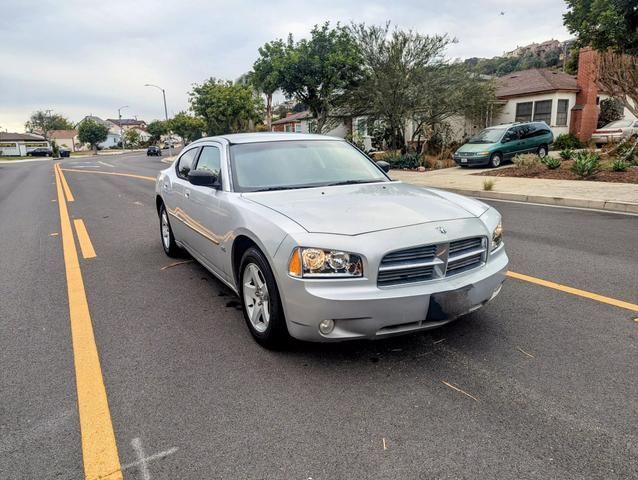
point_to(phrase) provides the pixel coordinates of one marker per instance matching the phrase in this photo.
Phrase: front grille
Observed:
(428, 262)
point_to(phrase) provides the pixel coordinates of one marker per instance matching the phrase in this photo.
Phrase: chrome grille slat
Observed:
(428, 262)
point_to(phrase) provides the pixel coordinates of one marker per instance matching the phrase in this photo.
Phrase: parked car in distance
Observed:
(40, 152)
(64, 152)
(494, 145)
(320, 244)
(154, 150)
(615, 132)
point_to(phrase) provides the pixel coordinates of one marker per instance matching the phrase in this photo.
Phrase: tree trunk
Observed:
(269, 111)
(321, 121)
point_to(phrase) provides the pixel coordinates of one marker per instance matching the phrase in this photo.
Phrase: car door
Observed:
(203, 210)
(177, 194)
(512, 143)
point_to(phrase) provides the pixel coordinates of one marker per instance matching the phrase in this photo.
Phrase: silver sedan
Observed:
(320, 244)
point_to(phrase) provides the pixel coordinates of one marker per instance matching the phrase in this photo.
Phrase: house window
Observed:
(297, 127)
(543, 111)
(288, 127)
(561, 115)
(523, 112)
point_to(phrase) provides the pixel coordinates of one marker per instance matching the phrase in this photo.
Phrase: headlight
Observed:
(320, 263)
(497, 237)
(483, 153)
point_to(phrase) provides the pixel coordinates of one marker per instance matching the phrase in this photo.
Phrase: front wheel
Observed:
(495, 160)
(260, 300)
(168, 240)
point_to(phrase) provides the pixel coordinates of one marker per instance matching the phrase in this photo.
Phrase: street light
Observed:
(170, 136)
(119, 117)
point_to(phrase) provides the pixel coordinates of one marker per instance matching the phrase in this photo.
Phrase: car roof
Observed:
(239, 138)
(516, 124)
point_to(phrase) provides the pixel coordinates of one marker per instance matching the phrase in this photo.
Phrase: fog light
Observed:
(326, 326)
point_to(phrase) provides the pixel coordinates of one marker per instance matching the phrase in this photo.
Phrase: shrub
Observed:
(551, 162)
(527, 161)
(586, 164)
(628, 152)
(488, 184)
(409, 160)
(619, 165)
(567, 154)
(567, 141)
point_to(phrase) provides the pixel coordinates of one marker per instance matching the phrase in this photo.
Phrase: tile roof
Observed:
(535, 80)
(16, 137)
(295, 117)
(62, 134)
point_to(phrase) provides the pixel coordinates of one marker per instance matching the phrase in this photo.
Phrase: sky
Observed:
(81, 57)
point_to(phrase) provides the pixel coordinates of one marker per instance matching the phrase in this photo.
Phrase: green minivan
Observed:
(495, 145)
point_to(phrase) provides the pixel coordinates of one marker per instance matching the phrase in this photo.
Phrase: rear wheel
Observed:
(168, 240)
(542, 151)
(495, 160)
(260, 300)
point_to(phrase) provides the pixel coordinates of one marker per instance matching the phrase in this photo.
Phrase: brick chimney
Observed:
(585, 112)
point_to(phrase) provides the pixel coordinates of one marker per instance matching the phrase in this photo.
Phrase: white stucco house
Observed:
(114, 136)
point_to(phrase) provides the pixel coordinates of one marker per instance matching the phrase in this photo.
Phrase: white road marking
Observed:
(105, 164)
(142, 460)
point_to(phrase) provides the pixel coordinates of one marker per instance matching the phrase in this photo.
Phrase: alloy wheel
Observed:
(166, 230)
(256, 297)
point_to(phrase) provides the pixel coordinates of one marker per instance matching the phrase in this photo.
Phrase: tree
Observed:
(226, 107)
(186, 126)
(92, 133)
(611, 109)
(611, 27)
(316, 72)
(156, 129)
(132, 138)
(266, 73)
(42, 122)
(604, 24)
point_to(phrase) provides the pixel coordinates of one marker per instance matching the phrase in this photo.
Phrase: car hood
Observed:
(357, 209)
(475, 147)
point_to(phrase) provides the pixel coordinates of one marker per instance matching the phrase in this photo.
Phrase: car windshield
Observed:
(299, 164)
(489, 135)
(619, 124)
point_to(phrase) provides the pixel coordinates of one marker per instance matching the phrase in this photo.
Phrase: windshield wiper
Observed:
(351, 182)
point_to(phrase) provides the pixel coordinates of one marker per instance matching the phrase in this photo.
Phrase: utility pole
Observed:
(119, 117)
(170, 136)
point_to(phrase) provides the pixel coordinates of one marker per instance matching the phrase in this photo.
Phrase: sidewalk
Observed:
(620, 197)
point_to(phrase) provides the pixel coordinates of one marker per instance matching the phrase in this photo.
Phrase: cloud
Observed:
(83, 56)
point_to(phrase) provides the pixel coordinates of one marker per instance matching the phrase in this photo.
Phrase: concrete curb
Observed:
(612, 206)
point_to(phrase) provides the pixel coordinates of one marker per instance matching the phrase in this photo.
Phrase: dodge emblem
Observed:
(442, 230)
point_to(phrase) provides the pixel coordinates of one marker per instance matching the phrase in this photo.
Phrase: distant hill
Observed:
(549, 54)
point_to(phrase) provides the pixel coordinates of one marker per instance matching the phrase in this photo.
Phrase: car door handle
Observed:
(187, 193)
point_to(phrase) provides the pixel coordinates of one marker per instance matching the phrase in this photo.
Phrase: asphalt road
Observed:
(545, 382)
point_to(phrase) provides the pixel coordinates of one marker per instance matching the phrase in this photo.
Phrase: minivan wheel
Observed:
(495, 160)
(542, 151)
(166, 232)
(260, 300)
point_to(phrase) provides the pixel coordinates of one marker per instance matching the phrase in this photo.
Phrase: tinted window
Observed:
(528, 131)
(186, 161)
(619, 124)
(512, 134)
(299, 164)
(523, 112)
(210, 160)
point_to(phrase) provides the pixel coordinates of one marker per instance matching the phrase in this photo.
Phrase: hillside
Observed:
(549, 54)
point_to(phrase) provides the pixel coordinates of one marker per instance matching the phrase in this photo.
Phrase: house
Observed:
(65, 138)
(128, 123)
(338, 125)
(292, 122)
(568, 104)
(114, 136)
(18, 144)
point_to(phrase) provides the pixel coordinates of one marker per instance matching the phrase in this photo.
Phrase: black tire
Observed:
(275, 334)
(496, 160)
(168, 244)
(542, 151)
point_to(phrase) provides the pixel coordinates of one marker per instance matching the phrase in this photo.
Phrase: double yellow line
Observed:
(99, 450)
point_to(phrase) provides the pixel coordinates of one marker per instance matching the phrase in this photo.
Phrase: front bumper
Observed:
(613, 138)
(371, 312)
(471, 160)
